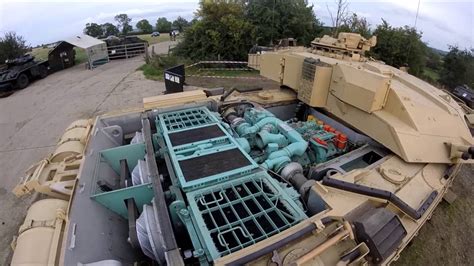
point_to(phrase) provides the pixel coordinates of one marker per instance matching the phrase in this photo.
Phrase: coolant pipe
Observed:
(244, 144)
(245, 128)
(264, 137)
(297, 147)
(276, 164)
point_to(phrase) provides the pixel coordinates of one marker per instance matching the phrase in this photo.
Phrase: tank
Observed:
(342, 165)
(17, 73)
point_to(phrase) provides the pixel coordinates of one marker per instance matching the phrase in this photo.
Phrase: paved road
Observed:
(32, 120)
(162, 47)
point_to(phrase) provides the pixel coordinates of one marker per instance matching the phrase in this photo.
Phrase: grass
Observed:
(42, 54)
(156, 66)
(152, 40)
(156, 73)
(81, 56)
(432, 74)
(151, 72)
(223, 73)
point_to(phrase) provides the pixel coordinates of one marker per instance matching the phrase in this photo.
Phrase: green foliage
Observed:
(163, 25)
(110, 29)
(221, 31)
(144, 26)
(278, 19)
(433, 60)
(154, 70)
(458, 68)
(156, 65)
(12, 46)
(124, 23)
(94, 30)
(356, 24)
(151, 72)
(400, 47)
(180, 24)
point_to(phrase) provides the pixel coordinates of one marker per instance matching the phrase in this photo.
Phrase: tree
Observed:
(93, 29)
(12, 46)
(180, 24)
(221, 31)
(110, 29)
(400, 47)
(163, 25)
(340, 16)
(458, 68)
(356, 24)
(124, 23)
(144, 26)
(277, 19)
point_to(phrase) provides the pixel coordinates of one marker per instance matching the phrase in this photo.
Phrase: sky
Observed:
(442, 22)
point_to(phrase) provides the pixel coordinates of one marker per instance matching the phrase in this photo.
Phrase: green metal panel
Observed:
(189, 119)
(132, 153)
(115, 200)
(233, 215)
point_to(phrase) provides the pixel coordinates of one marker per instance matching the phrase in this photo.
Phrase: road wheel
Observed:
(43, 71)
(22, 81)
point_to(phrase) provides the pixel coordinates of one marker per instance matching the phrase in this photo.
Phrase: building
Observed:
(96, 50)
(61, 56)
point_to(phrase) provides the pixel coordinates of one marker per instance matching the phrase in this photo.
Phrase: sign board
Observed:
(174, 79)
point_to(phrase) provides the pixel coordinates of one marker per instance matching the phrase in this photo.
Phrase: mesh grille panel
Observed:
(241, 214)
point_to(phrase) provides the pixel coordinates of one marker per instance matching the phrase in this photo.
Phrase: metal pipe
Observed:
(382, 194)
(276, 163)
(264, 137)
(321, 248)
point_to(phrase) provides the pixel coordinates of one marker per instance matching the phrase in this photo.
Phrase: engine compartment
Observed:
(205, 182)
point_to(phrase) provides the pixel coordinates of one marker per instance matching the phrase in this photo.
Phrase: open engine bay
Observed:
(203, 184)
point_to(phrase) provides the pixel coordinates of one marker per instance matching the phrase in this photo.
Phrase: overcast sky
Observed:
(443, 23)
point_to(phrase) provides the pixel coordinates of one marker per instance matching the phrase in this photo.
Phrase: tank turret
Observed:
(350, 46)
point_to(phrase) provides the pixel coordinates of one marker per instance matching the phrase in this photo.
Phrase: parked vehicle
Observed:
(17, 73)
(155, 34)
(466, 94)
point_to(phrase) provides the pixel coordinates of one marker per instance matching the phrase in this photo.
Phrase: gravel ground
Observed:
(32, 120)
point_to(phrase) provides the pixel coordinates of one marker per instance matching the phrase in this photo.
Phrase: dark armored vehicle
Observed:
(466, 94)
(17, 73)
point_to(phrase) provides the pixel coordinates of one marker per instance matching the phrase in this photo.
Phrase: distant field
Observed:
(431, 73)
(42, 54)
(152, 40)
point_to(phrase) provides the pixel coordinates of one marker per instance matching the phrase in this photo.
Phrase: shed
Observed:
(96, 50)
(61, 56)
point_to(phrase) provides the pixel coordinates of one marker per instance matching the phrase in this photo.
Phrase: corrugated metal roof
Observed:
(83, 41)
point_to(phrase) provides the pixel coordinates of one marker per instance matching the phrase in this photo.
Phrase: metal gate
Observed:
(125, 51)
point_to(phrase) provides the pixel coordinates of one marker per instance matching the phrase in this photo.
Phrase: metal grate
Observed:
(186, 119)
(239, 214)
(195, 135)
(202, 151)
(309, 69)
(213, 164)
